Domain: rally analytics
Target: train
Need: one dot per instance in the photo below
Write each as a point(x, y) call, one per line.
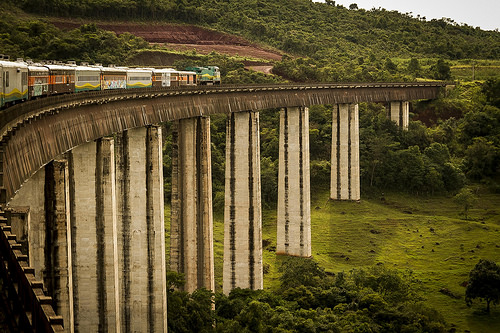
point(26, 80)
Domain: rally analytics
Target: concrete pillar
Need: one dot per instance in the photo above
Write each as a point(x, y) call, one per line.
point(58, 277)
point(93, 235)
point(141, 235)
point(399, 112)
point(242, 212)
point(41, 210)
point(345, 153)
point(31, 199)
point(294, 202)
point(191, 234)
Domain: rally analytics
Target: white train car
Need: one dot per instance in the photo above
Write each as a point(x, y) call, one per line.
point(87, 78)
point(14, 85)
point(113, 78)
point(139, 78)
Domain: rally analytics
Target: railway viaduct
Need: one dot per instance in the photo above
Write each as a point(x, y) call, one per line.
point(81, 186)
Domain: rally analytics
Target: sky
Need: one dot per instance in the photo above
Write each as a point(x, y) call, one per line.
point(477, 13)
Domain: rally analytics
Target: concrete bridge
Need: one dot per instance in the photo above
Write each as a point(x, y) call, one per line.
point(81, 181)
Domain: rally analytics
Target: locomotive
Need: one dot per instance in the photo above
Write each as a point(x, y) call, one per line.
point(23, 80)
point(206, 75)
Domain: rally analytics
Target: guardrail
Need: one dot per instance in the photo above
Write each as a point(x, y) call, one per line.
point(30, 309)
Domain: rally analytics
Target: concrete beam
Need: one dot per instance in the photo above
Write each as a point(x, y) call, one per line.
point(242, 213)
point(345, 183)
point(140, 228)
point(191, 233)
point(294, 203)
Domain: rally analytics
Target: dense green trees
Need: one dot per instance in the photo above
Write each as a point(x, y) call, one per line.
point(310, 300)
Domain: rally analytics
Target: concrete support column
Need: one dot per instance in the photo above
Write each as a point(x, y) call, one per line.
point(31, 199)
point(141, 248)
point(41, 208)
point(93, 235)
point(399, 112)
point(294, 203)
point(345, 153)
point(58, 277)
point(242, 213)
point(191, 235)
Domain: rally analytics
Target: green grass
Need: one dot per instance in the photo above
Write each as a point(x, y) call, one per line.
point(428, 236)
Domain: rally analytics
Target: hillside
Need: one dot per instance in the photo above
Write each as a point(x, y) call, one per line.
point(182, 37)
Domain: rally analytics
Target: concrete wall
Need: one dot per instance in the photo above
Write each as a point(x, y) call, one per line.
point(294, 203)
point(140, 228)
point(345, 184)
point(242, 213)
point(191, 231)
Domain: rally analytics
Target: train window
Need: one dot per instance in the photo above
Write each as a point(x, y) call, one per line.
point(59, 79)
point(88, 78)
point(140, 78)
point(7, 78)
point(24, 78)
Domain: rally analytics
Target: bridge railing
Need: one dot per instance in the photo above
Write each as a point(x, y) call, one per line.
point(31, 310)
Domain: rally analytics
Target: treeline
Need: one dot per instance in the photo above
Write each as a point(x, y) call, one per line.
point(39, 40)
point(308, 300)
point(301, 27)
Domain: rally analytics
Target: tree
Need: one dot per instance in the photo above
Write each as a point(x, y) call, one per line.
point(465, 199)
point(484, 283)
point(441, 70)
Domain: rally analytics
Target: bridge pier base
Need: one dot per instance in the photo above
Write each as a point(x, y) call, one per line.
point(345, 153)
point(294, 203)
point(399, 112)
point(242, 213)
point(141, 232)
point(191, 232)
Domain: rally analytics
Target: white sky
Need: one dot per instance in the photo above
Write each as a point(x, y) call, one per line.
point(477, 13)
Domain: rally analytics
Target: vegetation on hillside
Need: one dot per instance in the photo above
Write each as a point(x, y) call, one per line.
point(327, 42)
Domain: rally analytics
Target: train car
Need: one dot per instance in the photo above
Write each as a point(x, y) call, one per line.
point(87, 78)
point(113, 78)
point(186, 78)
point(14, 86)
point(206, 75)
point(38, 80)
point(61, 78)
point(139, 78)
point(162, 77)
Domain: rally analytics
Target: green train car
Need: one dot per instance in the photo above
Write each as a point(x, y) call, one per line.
point(208, 75)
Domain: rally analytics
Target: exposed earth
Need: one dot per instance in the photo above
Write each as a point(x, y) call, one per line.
point(186, 38)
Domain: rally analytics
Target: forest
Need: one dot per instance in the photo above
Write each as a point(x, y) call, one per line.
point(441, 175)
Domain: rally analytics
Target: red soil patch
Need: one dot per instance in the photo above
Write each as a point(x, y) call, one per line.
point(185, 37)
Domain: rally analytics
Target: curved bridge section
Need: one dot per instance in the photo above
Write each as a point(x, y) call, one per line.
point(36, 132)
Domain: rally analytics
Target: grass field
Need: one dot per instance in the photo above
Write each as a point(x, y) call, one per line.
point(428, 236)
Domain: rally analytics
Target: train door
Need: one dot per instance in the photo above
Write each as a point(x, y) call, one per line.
point(24, 83)
point(165, 80)
point(2, 86)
